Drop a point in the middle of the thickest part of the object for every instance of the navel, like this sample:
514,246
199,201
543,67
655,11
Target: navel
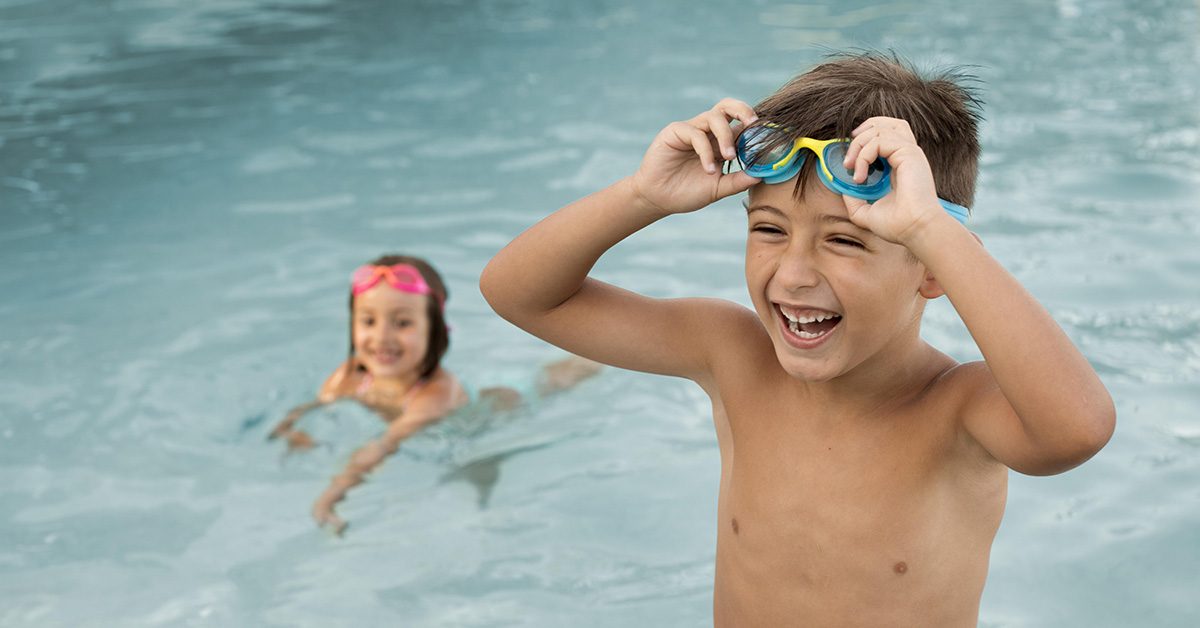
900,568
733,522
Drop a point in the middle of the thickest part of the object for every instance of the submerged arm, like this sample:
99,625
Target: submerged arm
441,396
330,391
296,439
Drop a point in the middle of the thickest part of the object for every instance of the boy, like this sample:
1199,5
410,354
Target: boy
863,472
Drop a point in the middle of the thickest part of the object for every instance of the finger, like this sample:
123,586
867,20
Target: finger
856,208
734,183
718,125
862,128
875,122
699,140
737,110
866,156
857,144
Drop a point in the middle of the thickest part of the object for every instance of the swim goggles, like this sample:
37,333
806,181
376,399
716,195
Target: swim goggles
784,161
403,277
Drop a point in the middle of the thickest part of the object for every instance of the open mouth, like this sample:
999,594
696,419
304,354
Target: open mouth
386,357
808,323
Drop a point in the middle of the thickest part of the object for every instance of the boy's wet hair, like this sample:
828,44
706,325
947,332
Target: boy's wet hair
439,333
833,98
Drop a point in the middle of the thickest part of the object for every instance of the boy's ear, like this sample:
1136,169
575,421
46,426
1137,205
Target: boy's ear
930,288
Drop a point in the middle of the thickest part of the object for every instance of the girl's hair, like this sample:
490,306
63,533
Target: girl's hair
439,334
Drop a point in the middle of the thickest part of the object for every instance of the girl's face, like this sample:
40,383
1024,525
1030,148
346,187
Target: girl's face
391,331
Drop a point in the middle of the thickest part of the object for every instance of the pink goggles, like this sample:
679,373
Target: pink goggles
403,277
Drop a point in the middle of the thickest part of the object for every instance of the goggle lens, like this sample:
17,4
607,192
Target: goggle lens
753,153
835,156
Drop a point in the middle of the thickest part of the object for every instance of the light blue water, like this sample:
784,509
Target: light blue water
185,187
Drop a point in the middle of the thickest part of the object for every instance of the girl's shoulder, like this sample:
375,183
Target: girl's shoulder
344,381
443,384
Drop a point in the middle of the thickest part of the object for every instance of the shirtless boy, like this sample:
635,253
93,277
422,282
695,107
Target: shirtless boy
863,472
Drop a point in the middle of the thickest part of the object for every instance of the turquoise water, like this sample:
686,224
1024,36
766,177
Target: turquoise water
185,187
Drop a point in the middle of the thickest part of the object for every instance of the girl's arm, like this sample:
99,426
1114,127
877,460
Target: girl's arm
540,281
298,439
441,396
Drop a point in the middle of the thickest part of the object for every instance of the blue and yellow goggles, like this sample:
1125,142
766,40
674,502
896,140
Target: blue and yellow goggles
784,161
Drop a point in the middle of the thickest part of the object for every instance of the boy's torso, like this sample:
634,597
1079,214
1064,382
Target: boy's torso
885,519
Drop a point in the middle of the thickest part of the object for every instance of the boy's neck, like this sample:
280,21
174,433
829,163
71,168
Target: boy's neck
886,380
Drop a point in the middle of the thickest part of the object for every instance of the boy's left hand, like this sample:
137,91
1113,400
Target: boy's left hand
913,202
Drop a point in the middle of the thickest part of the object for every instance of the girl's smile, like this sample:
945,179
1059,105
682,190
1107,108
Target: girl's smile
391,331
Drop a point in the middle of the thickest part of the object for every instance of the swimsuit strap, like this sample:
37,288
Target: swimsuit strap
412,391
365,384
367,380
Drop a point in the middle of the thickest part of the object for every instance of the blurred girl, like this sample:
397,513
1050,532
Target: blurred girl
398,336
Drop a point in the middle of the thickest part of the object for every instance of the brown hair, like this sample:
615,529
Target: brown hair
833,98
439,333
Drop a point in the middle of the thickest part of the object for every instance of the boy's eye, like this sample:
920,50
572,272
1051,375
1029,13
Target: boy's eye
366,321
847,242
767,229
404,322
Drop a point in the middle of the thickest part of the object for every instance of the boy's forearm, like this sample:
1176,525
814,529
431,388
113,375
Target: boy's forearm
546,265
1043,376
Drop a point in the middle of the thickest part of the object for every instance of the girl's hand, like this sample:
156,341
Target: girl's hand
681,171
298,440
913,202
322,510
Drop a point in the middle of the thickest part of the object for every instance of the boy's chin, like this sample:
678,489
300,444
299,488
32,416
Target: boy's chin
806,369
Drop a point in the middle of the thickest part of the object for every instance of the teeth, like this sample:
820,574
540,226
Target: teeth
792,318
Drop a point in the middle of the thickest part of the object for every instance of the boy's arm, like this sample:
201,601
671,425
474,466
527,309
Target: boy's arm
441,396
539,281
1037,405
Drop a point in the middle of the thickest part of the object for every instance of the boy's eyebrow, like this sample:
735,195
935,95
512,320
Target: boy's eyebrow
764,208
833,218
839,219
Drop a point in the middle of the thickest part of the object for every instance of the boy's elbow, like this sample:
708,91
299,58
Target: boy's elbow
486,282
1087,436
490,286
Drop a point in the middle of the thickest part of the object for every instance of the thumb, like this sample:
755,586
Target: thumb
730,184
857,208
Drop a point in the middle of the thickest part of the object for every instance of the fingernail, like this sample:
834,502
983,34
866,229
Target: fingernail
728,152
710,168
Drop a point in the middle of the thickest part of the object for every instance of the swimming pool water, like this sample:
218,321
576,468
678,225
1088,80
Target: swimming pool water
185,188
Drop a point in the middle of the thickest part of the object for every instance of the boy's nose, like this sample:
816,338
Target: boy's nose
797,269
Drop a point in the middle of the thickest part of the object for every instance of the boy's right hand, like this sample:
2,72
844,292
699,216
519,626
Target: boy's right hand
680,171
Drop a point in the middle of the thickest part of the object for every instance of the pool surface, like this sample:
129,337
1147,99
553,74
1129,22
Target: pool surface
185,188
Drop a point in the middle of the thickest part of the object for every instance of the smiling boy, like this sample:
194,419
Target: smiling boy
863,472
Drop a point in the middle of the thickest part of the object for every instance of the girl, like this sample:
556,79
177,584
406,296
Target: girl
398,336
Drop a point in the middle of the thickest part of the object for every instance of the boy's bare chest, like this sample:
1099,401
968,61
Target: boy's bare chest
826,514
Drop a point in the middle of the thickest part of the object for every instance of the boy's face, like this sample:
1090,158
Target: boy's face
806,261
391,331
